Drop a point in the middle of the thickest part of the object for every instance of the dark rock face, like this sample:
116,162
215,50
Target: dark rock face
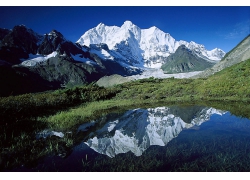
12,54
56,72
51,42
54,41
184,60
18,43
61,71
22,37
3,33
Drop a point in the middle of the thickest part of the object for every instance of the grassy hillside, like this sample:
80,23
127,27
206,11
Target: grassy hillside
64,110
231,84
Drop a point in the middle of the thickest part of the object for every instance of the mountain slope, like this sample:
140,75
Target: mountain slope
238,54
49,62
143,47
20,80
184,60
233,81
3,33
18,43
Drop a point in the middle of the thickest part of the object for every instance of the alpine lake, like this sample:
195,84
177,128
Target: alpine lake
185,138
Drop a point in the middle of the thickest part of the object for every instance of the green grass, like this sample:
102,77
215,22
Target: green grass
69,119
84,113
19,145
65,109
232,83
30,106
68,107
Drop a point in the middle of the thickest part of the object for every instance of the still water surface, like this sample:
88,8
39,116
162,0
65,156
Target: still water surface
193,138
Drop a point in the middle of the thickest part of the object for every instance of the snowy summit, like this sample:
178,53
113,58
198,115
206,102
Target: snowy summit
143,47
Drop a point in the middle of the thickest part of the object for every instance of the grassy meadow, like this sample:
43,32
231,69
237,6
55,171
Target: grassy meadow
66,109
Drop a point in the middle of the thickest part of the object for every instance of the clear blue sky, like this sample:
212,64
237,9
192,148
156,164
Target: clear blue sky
212,26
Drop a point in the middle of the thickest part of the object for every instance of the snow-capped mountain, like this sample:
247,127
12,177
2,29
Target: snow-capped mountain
142,47
138,129
36,62
50,61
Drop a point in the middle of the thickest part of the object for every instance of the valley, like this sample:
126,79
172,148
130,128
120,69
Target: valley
121,98
35,63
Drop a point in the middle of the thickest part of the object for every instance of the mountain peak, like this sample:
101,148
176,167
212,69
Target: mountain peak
20,28
182,46
147,47
21,25
217,49
153,29
55,33
184,60
100,25
127,24
3,32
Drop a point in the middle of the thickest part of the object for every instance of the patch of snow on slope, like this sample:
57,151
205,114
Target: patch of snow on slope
102,54
34,59
78,57
106,54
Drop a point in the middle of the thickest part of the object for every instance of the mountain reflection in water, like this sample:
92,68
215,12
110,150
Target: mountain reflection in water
138,129
162,139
